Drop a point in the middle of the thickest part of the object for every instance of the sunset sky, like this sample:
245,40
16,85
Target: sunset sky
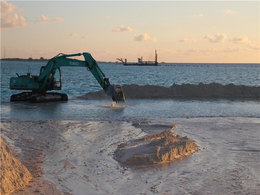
180,31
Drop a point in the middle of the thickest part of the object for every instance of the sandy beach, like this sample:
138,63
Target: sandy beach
130,98
78,156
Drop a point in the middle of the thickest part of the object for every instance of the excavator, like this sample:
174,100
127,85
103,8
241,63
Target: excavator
50,79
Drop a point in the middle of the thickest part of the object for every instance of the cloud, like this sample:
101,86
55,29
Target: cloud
240,39
193,50
76,35
196,16
228,11
217,38
9,16
123,29
185,40
254,45
244,40
196,50
43,19
233,49
145,38
73,34
58,19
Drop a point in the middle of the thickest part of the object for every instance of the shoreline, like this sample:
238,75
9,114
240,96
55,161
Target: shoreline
79,153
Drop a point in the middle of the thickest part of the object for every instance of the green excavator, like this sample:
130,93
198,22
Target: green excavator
50,79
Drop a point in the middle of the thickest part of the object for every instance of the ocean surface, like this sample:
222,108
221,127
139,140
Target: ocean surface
226,130
78,81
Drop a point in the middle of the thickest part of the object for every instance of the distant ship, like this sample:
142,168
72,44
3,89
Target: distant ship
140,62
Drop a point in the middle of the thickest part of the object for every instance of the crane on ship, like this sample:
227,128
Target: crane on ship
50,78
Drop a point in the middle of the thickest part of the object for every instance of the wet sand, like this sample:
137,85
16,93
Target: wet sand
77,156
31,141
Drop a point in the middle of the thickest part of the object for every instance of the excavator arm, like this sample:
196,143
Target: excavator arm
45,80
114,91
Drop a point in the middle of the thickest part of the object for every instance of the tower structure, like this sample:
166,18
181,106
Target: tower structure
156,62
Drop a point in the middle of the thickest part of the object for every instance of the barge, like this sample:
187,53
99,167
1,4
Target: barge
140,62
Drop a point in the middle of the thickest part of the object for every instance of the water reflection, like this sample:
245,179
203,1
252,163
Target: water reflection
26,110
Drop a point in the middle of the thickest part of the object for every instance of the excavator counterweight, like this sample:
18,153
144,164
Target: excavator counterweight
50,79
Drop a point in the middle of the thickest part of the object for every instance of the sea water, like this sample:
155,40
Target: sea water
228,160
78,81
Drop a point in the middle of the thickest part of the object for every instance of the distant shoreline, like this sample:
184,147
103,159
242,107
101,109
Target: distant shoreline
21,59
164,63
39,60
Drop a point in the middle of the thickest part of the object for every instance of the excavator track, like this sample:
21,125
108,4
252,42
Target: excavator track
38,97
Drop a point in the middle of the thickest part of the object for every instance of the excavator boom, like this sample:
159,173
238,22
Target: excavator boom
48,80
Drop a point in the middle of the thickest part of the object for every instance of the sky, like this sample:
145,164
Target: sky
180,31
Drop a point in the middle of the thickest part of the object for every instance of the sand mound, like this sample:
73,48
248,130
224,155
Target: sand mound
212,90
157,148
14,175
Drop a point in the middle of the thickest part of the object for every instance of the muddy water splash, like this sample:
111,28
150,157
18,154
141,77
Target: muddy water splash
114,105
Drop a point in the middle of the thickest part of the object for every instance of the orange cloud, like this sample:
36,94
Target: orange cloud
9,16
73,34
233,49
240,39
197,16
185,40
123,29
217,38
228,11
195,50
58,19
42,19
254,45
145,38
244,40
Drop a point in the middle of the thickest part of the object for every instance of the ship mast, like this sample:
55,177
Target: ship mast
156,57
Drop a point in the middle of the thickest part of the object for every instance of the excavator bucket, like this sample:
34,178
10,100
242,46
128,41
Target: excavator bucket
119,95
116,92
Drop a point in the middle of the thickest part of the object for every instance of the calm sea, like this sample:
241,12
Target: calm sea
78,81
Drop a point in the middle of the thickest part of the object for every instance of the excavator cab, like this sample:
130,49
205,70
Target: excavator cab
56,78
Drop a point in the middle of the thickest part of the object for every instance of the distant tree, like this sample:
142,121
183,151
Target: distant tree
30,58
41,58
